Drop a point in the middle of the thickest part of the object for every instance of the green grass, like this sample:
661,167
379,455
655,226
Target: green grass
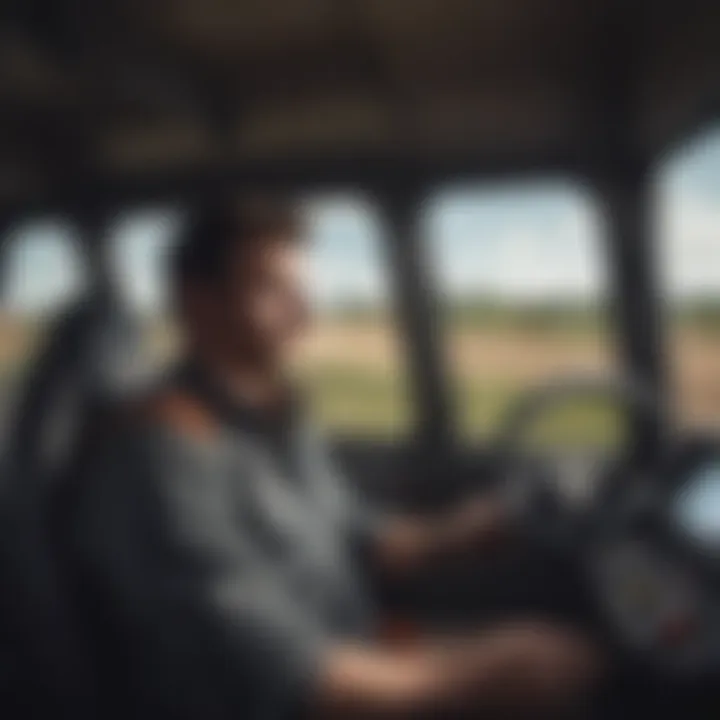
361,402
481,313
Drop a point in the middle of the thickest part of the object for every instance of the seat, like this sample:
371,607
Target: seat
91,356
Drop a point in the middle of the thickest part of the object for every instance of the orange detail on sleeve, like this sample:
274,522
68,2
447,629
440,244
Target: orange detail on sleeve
179,411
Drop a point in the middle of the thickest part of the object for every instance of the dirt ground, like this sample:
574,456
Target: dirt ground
509,358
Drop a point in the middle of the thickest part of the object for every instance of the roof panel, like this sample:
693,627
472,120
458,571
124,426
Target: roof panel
131,91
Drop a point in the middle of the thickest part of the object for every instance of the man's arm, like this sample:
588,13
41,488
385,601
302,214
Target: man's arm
522,668
402,545
395,545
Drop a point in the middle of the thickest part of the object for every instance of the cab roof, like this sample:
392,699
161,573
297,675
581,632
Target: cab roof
126,100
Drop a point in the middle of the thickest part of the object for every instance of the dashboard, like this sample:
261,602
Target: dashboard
655,563
645,532
695,510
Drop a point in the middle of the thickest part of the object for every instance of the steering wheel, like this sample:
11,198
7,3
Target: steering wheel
655,595
553,494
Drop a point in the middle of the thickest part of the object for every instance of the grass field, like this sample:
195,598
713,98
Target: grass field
354,364
356,371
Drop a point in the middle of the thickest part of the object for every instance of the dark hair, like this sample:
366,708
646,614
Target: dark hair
214,231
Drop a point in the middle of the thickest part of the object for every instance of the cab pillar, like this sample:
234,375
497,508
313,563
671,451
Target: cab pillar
625,195
419,318
94,224
7,224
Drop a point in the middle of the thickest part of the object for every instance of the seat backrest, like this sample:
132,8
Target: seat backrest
90,356
92,351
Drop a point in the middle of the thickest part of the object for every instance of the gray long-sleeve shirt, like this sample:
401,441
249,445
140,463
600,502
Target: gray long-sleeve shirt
222,568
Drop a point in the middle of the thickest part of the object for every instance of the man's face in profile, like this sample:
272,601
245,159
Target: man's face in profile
264,299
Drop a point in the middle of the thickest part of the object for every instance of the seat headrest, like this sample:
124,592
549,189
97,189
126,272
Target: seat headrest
91,354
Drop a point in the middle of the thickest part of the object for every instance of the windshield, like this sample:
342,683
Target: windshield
689,190
523,291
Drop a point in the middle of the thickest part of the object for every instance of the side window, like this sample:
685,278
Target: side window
523,290
42,271
689,189
352,361
140,242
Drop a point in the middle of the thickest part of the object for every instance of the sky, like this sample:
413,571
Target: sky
515,242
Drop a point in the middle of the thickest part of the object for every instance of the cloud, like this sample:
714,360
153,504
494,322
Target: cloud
689,242
531,251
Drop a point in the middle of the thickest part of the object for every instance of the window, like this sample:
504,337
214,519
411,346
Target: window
42,271
522,284
689,189
140,242
351,363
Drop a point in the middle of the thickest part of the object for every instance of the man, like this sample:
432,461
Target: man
227,557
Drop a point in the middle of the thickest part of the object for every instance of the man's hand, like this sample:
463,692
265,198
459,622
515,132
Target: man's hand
409,544
534,665
517,669
479,524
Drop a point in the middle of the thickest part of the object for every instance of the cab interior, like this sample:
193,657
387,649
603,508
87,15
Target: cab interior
491,186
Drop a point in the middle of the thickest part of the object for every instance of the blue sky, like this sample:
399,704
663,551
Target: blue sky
514,241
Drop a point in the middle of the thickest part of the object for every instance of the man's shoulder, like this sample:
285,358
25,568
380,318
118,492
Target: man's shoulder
163,419
155,450
170,408
154,443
